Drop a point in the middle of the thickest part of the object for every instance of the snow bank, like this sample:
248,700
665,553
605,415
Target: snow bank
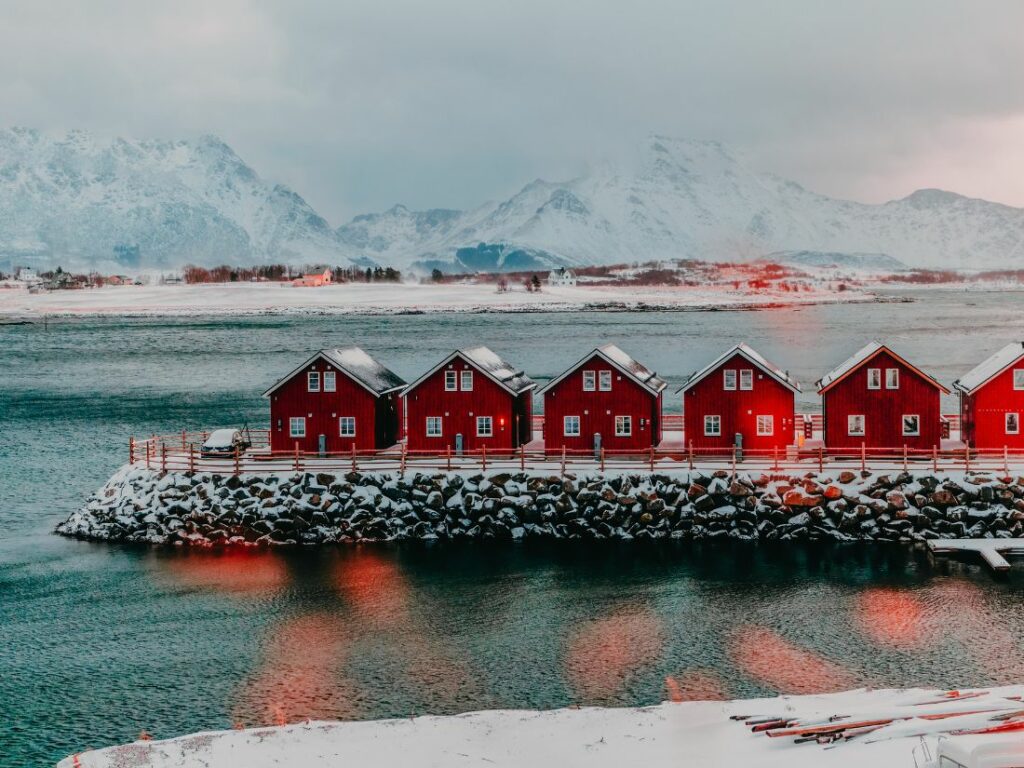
671,734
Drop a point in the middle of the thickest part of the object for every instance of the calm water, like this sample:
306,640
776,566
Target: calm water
99,642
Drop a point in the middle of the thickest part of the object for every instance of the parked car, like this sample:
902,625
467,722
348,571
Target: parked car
224,442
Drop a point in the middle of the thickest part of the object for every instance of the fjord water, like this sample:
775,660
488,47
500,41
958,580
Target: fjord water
99,642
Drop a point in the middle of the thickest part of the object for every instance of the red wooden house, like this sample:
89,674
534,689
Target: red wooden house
469,400
607,400
739,393
992,400
879,400
337,399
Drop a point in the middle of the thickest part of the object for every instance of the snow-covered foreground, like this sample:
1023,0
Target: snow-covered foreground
380,298
687,734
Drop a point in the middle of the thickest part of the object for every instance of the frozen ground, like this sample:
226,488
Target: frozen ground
378,298
691,734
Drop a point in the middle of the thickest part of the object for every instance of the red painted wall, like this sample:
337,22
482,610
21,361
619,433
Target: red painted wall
739,409
983,413
460,409
597,411
322,410
883,408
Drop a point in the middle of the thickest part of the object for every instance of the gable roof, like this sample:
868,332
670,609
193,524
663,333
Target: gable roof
985,371
863,355
753,357
618,359
360,367
509,378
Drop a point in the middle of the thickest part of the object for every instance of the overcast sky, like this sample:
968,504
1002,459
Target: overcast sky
360,105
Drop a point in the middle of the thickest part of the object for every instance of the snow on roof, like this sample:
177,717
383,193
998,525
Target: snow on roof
505,374
992,366
754,357
640,373
862,355
360,366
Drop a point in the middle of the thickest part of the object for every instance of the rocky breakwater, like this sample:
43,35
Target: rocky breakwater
202,509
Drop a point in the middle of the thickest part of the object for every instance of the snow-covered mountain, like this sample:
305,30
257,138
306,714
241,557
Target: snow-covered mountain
86,203
82,202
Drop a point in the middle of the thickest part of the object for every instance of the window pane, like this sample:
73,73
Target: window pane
874,378
589,384
606,380
571,425
330,382
467,380
484,426
1012,423
729,379
746,379
623,426
892,378
450,380
1018,378
313,381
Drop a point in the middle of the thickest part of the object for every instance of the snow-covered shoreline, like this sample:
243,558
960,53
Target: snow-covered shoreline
698,733
392,299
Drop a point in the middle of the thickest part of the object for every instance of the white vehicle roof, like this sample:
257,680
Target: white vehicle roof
221,438
996,750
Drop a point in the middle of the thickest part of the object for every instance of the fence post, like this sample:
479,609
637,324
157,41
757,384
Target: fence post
904,457
448,454
131,450
401,463
163,457
192,459
483,458
602,459
353,456
147,454
863,457
296,457
775,458
183,439
563,460
967,459
237,469
935,458
821,458
734,462
652,459
522,458
691,454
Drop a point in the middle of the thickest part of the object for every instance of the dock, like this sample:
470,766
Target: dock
992,551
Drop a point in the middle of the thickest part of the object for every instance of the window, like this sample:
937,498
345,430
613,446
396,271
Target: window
605,378
766,425
1013,423
892,378
729,379
451,381
1018,378
313,381
433,426
330,381
746,379
623,426
855,425
467,381
484,426
347,426
297,426
571,426
874,378
911,425
589,381
713,425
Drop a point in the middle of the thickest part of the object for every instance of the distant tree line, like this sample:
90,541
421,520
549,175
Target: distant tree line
281,272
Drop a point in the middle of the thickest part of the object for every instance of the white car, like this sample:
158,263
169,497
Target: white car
997,750
224,442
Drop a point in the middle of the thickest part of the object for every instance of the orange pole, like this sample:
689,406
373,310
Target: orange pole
147,454
237,470
967,459
821,458
163,457
483,458
863,456
131,450
183,439
652,459
563,459
192,459
353,457
775,458
522,458
448,455
904,457
296,455
602,459
935,458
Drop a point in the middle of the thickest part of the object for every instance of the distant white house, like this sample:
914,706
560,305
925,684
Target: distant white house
561,276
28,276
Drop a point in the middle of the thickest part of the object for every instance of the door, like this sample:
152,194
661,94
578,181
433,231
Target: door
597,445
458,444
322,445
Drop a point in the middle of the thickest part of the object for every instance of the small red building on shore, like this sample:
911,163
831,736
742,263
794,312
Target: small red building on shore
879,400
606,400
739,393
470,400
992,400
337,399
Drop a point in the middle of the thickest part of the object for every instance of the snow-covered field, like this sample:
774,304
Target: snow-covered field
380,298
680,735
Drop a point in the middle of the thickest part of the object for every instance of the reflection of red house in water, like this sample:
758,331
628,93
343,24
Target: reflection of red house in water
314,280
606,400
879,400
337,399
470,400
739,393
992,400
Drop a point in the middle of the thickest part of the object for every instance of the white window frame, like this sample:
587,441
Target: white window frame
590,381
604,381
746,379
466,378
623,426
850,431
874,378
330,381
312,381
1016,423
566,421
440,426
715,421
903,425
342,422
294,421
1018,378
489,422
892,378
451,381
729,381
768,419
